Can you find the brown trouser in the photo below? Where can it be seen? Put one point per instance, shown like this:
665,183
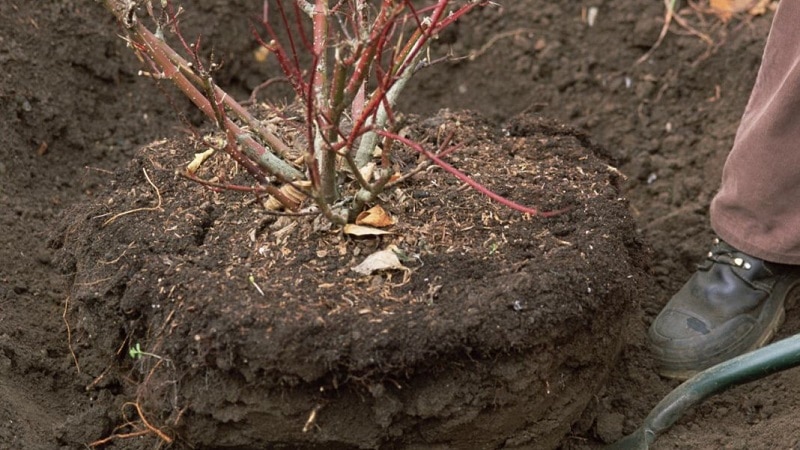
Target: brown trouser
757,209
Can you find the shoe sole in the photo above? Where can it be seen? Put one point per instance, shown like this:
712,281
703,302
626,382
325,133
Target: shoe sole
793,292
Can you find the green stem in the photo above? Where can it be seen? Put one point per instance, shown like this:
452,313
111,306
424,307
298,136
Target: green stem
159,52
370,139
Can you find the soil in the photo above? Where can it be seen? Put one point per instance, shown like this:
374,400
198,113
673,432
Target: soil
504,332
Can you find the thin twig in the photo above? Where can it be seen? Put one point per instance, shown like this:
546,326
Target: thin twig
269,189
254,94
485,47
444,150
471,182
97,379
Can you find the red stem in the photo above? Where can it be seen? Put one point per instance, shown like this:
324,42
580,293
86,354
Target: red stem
466,179
155,50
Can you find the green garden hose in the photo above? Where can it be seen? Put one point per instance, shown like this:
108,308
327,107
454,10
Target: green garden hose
751,366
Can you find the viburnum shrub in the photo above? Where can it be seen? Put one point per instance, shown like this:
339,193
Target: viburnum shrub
360,55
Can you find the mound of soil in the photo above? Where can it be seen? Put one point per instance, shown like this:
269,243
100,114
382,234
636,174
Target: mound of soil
500,331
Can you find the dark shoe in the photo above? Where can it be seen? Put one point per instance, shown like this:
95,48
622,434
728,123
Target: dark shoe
731,305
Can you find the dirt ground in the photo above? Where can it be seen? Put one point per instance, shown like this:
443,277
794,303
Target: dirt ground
76,117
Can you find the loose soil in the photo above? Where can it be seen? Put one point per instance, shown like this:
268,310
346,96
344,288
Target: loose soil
414,360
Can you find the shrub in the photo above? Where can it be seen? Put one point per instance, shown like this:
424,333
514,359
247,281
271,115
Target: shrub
362,54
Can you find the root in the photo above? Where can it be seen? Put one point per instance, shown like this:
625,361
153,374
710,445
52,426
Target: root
69,334
118,436
141,426
153,208
312,418
155,430
669,16
138,430
670,4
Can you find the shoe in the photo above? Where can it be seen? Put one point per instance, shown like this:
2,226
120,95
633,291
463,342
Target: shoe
733,304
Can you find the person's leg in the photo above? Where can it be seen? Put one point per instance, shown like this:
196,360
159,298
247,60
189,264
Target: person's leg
757,209
735,300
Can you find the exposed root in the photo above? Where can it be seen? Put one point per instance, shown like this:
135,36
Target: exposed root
134,434
100,377
150,427
140,426
97,379
312,418
69,334
669,16
116,260
670,12
137,429
152,208
691,30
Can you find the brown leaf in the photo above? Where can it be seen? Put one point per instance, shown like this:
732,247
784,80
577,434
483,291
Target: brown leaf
727,8
381,260
290,192
375,217
360,230
762,6
199,159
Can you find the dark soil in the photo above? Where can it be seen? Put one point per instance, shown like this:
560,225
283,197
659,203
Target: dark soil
462,354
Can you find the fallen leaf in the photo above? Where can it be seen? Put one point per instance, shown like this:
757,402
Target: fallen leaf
724,9
291,192
380,260
375,217
199,159
762,7
260,54
361,230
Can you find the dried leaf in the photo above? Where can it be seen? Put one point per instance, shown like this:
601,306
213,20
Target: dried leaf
284,232
360,230
727,8
199,159
260,54
380,260
762,7
375,217
367,170
290,192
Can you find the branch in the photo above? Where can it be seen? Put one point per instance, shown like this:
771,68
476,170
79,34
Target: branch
466,179
157,51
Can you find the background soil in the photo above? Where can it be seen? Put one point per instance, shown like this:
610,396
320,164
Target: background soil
74,109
